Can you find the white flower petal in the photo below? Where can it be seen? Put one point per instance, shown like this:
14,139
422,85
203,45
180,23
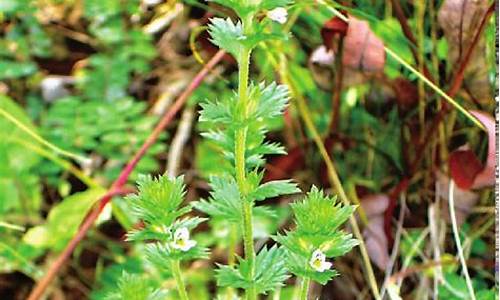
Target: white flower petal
182,241
181,233
278,14
318,261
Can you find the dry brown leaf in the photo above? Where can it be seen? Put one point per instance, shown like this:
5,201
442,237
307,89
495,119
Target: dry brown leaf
376,242
464,200
363,50
486,178
460,20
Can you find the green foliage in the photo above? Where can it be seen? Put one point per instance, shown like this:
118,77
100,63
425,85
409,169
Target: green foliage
265,104
249,8
270,272
225,200
227,35
113,131
19,183
318,218
63,220
157,204
24,39
454,287
135,287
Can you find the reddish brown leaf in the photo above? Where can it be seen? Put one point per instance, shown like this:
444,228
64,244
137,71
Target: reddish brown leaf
460,20
376,241
406,93
333,27
487,176
464,167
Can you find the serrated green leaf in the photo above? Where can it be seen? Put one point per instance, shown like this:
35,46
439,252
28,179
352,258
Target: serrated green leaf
227,35
274,189
160,254
216,112
157,202
271,4
270,272
135,287
271,100
320,214
318,218
224,202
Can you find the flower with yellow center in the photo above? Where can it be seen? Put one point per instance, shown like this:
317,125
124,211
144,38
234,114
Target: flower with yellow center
318,261
182,241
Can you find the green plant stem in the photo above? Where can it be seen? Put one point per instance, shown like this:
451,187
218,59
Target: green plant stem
240,169
304,288
181,288
231,258
40,139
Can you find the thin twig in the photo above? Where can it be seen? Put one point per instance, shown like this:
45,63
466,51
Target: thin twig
337,89
179,141
400,15
395,247
459,77
42,285
460,250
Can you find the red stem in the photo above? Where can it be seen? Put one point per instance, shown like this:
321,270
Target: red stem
337,89
115,188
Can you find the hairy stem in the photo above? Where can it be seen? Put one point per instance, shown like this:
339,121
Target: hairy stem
240,169
181,288
231,258
304,288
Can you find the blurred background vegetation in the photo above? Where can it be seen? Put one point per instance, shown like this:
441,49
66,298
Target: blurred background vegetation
93,77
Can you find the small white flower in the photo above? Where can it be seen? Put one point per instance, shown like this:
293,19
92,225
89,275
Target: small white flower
182,241
151,2
278,14
318,262
322,56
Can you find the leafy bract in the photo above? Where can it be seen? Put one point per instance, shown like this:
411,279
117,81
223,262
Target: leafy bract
245,8
270,272
225,202
227,35
135,287
318,218
158,200
320,214
265,103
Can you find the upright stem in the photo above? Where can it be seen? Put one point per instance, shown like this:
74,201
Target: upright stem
304,288
240,170
233,240
181,288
